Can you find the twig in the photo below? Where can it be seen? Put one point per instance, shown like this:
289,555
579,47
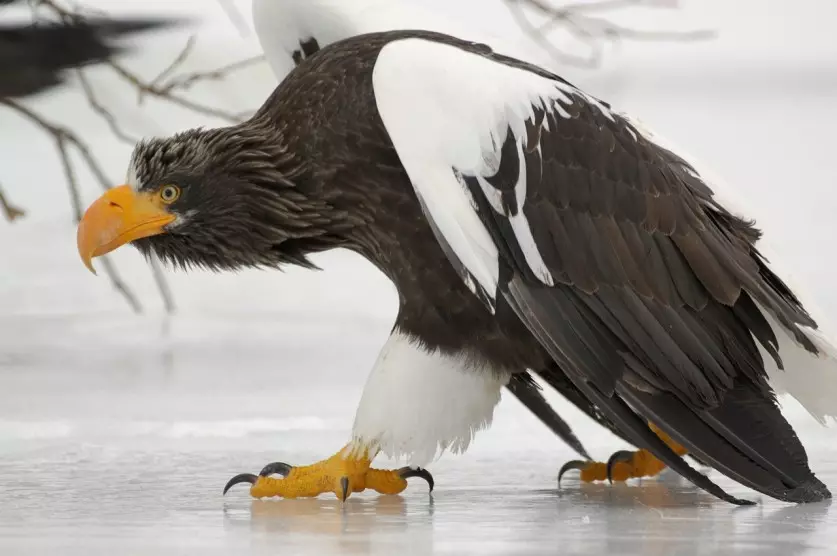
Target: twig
143,87
101,110
162,284
75,195
177,62
154,90
185,81
12,212
538,34
110,270
64,137
576,18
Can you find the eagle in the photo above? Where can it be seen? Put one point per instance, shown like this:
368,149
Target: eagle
526,225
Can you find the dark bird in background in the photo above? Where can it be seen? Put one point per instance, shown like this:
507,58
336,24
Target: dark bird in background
36,56
526,226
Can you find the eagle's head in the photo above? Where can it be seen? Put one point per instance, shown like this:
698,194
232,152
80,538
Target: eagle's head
219,199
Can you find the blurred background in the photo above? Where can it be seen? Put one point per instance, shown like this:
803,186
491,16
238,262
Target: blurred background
240,369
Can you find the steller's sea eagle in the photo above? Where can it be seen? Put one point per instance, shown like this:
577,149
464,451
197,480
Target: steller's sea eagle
525,224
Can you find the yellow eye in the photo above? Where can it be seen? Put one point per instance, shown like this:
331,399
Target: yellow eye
169,194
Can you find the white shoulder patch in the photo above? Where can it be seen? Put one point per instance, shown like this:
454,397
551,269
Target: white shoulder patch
448,112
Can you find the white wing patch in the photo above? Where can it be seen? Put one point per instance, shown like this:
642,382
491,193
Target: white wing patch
448,113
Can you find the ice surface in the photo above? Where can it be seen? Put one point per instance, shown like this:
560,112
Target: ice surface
117,431
108,447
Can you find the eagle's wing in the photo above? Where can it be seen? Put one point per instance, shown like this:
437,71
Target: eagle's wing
613,251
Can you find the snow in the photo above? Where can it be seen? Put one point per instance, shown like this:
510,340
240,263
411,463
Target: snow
118,431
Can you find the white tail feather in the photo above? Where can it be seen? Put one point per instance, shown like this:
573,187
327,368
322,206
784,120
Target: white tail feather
808,378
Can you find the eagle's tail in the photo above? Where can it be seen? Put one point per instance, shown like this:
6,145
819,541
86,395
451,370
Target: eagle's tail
745,437
526,390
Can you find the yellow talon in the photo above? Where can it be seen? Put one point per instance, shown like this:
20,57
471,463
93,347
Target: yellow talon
345,472
625,465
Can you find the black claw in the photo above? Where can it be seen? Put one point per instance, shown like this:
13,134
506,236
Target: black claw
575,464
344,484
622,455
242,478
277,467
407,472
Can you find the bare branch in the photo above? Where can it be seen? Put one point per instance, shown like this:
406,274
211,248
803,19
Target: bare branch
11,212
156,91
148,88
97,107
119,285
75,195
64,137
538,34
162,284
185,81
177,62
591,29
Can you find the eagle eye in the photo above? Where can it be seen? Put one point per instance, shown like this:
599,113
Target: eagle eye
169,194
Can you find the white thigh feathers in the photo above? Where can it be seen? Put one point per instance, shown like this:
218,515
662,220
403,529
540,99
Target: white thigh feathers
418,403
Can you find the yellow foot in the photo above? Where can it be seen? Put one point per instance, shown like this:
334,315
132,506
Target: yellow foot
343,473
624,465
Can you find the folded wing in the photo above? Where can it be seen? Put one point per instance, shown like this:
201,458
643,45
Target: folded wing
612,250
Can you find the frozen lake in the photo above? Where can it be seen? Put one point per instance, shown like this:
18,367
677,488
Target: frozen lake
110,443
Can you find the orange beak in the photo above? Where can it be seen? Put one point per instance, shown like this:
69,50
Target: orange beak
118,217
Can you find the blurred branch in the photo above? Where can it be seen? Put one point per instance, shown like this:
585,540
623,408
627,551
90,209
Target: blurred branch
153,87
185,81
64,138
157,91
106,114
579,20
11,212
178,60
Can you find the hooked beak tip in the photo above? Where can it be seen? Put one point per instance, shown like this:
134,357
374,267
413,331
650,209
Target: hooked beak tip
84,252
118,217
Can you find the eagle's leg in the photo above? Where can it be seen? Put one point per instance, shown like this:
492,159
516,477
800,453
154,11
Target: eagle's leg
345,472
416,403
624,465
